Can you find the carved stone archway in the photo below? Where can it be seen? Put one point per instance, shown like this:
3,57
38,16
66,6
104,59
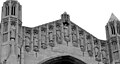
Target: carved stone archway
63,60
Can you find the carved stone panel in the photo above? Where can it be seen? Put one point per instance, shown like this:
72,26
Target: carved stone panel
58,33
97,50
82,40
44,37
36,39
89,45
51,37
114,44
13,30
104,52
20,41
5,26
28,39
74,35
66,32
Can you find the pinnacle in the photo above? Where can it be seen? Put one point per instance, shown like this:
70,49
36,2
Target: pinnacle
113,17
65,12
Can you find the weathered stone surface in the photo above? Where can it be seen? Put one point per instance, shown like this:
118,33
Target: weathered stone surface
61,40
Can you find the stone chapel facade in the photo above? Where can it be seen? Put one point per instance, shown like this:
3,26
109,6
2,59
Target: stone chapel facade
54,42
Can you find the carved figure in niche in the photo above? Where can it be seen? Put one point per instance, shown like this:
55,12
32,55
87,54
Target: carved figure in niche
36,44
81,40
51,36
27,44
104,56
66,32
58,33
28,41
35,41
81,33
89,45
88,37
104,52
19,29
43,45
97,50
13,30
97,54
44,38
89,49
116,55
5,27
82,44
20,41
114,43
74,36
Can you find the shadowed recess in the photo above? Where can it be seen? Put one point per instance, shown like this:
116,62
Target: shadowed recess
64,60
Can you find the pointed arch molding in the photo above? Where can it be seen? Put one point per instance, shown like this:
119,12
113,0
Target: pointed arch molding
67,58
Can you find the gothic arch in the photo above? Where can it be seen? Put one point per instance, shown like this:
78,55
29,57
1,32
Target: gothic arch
67,59
13,8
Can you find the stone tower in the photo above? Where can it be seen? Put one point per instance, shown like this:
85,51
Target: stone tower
60,41
11,27
113,38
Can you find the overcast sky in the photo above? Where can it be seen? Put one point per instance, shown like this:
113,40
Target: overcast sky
91,15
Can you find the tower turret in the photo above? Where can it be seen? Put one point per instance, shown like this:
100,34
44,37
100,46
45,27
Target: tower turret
113,37
11,26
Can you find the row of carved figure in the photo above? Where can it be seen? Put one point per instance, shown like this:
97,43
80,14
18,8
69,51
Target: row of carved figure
58,33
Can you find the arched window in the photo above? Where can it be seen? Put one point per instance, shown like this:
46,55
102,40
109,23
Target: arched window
118,28
112,27
6,10
13,9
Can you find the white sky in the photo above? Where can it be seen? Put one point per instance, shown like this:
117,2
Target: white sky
91,15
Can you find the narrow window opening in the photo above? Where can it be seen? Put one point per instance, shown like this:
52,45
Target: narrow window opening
14,11
6,11
112,28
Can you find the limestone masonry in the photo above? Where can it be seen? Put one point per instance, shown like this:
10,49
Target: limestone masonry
57,42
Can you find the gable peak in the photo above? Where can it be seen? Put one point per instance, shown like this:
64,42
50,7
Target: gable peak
113,17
